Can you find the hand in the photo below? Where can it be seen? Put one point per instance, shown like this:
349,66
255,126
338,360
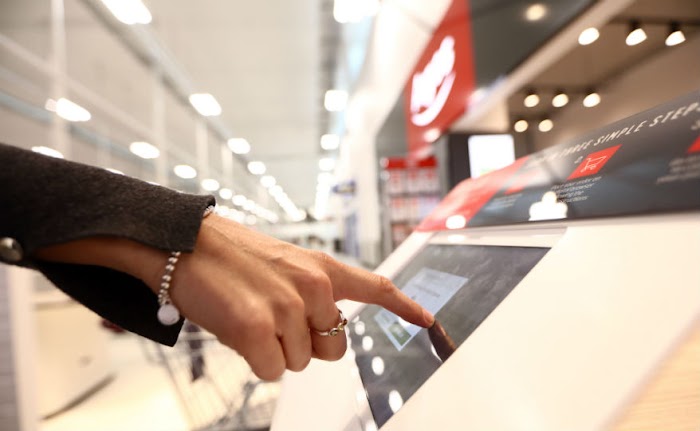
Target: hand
258,295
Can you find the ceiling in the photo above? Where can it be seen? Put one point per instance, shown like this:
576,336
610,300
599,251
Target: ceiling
262,61
268,63
600,64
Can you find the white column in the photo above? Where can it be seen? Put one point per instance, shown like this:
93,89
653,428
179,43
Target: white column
158,121
19,286
60,139
202,147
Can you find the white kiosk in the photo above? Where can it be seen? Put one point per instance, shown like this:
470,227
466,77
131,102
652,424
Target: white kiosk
562,284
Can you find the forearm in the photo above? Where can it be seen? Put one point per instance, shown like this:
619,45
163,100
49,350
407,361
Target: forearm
121,254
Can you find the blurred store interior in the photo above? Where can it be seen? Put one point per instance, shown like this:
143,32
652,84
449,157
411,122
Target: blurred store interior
294,115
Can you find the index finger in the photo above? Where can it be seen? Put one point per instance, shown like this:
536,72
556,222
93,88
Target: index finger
359,285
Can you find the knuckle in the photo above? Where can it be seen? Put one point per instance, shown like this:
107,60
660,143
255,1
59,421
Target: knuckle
291,305
301,364
322,257
385,286
269,372
259,325
317,280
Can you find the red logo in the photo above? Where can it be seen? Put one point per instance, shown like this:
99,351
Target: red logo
695,148
593,163
443,78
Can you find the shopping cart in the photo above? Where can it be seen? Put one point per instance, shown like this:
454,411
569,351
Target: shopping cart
592,164
216,387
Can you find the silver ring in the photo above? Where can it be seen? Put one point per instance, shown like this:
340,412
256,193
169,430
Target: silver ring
334,331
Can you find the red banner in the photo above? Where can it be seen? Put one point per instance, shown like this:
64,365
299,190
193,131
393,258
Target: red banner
442,81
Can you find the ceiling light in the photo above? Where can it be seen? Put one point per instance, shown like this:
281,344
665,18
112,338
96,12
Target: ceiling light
591,100
345,11
210,184
531,100
205,104
675,35
560,99
256,168
636,34
325,178
326,164
330,142
520,126
226,193
546,125
129,11
535,12
335,100
276,190
588,36
144,150
48,152
68,110
239,145
239,200
185,171
268,181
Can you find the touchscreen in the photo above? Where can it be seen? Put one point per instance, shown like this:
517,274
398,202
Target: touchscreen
461,285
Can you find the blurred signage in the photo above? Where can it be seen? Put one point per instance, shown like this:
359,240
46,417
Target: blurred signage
441,82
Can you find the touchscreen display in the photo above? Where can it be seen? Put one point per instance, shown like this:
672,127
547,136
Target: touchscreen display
461,285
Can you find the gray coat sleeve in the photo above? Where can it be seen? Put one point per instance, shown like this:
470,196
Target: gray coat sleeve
46,201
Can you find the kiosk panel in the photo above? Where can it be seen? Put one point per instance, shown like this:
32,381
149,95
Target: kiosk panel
461,285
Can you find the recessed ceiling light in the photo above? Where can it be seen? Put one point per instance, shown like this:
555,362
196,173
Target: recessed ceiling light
591,100
520,126
144,150
546,125
636,35
185,171
205,104
588,36
335,100
330,142
210,184
129,11
675,35
536,12
238,145
560,99
68,110
226,193
256,168
268,181
531,100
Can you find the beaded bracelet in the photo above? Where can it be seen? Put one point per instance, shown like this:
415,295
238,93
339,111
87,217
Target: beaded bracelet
168,314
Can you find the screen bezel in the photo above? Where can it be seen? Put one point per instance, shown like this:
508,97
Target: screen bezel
544,236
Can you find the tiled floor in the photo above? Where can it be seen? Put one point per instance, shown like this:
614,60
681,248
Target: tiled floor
140,397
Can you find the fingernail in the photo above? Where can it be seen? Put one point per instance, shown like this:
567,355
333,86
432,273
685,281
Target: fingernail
429,318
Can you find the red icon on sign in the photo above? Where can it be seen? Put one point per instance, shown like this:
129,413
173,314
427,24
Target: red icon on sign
695,148
593,163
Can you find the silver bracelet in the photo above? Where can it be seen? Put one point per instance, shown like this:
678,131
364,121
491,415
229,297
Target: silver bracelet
168,314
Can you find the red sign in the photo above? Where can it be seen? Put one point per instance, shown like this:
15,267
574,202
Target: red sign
695,148
593,163
441,82
467,199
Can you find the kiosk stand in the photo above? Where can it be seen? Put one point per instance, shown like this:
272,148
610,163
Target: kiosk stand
567,288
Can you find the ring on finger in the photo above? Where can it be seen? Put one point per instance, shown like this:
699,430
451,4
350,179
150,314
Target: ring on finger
334,331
